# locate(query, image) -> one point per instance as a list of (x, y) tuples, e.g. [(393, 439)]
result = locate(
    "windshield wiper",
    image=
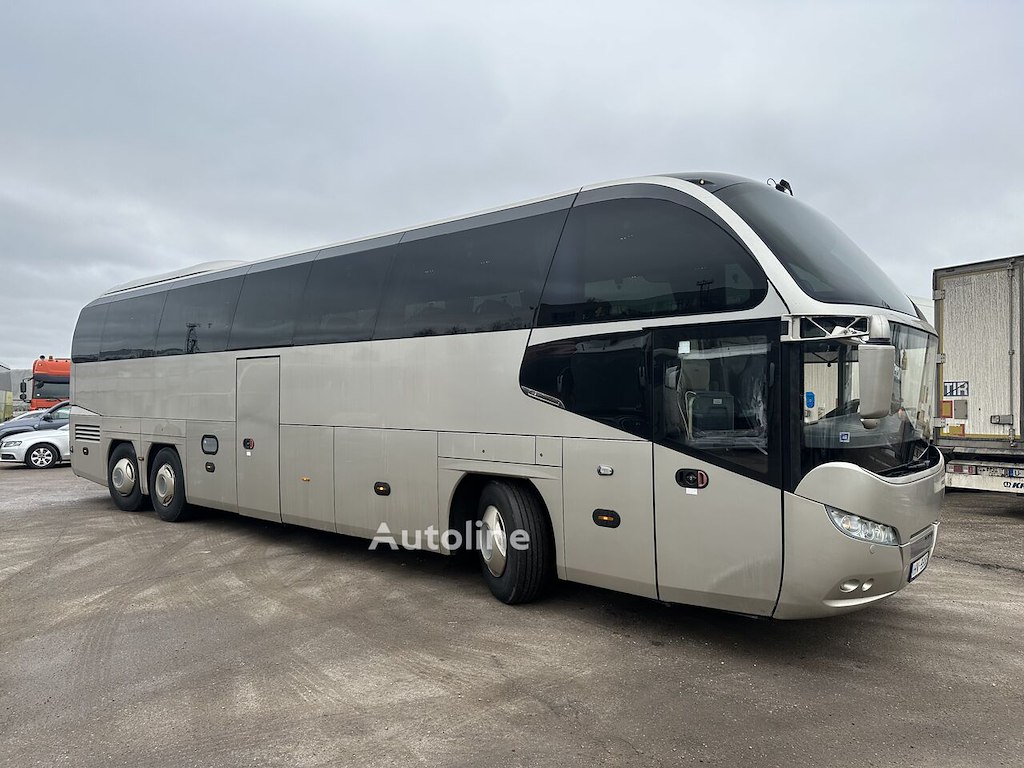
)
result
[(921, 462)]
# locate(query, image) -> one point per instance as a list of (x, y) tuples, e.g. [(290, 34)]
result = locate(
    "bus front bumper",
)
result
[(827, 572)]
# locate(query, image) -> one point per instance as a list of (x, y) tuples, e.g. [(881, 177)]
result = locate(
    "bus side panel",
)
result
[(406, 460), (192, 387), (89, 452), (465, 383), (621, 557), (307, 476), (210, 478)]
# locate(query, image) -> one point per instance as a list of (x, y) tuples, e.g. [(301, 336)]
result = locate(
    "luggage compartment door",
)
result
[(257, 436)]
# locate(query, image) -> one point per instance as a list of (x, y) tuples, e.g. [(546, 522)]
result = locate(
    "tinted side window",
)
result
[(131, 326), (197, 318), (342, 296), (601, 377), (85, 346), (715, 395), (640, 257), (487, 278), (268, 307)]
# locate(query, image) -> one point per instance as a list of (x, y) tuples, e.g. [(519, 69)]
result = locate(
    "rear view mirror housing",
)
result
[(875, 364)]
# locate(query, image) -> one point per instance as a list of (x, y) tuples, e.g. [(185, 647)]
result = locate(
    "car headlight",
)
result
[(861, 528), (10, 444)]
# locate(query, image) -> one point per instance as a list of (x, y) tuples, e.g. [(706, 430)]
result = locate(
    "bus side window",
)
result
[(717, 398), (197, 317), (342, 295), (471, 276), (640, 255), (599, 377), (85, 347), (268, 306), (131, 326)]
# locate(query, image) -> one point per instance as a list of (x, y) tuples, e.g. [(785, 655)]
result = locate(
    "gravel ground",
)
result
[(232, 642)]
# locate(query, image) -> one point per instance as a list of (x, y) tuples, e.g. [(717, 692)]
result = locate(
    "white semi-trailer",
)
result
[(980, 321)]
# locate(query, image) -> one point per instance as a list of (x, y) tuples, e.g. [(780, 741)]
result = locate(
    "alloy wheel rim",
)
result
[(41, 457)]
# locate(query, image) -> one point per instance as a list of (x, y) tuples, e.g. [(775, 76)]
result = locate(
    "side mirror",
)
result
[(24, 389), (875, 364), (48, 417), (22, 395)]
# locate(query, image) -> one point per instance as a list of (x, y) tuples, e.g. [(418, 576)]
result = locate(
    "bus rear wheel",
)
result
[(514, 545), (123, 479), (167, 486)]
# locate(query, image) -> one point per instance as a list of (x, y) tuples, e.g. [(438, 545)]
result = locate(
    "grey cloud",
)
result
[(142, 138)]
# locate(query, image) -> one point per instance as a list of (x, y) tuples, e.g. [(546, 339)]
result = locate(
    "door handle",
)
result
[(692, 478)]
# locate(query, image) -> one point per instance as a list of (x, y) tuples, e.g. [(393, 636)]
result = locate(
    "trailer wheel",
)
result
[(515, 572), (167, 486), (123, 479)]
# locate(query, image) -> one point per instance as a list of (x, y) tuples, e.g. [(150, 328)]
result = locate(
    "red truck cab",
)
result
[(51, 382)]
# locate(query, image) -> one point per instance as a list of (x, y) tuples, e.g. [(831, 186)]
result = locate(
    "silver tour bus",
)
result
[(689, 387)]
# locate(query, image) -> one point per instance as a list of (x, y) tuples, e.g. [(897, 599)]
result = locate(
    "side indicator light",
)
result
[(382, 489), (607, 518)]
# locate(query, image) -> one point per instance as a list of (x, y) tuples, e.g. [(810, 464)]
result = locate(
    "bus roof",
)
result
[(710, 181)]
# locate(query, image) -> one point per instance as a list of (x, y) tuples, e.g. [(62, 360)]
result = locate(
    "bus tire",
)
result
[(123, 479), (514, 575), (167, 486)]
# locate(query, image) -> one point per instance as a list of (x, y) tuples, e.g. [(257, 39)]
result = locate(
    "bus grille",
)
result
[(87, 433)]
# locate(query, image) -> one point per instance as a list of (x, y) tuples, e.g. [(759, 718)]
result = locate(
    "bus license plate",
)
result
[(917, 567)]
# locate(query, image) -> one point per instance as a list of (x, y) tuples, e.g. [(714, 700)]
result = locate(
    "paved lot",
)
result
[(230, 642)]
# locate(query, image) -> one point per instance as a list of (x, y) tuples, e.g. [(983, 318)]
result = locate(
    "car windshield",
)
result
[(831, 428), (823, 260)]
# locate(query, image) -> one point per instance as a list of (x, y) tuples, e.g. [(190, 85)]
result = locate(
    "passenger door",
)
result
[(717, 433), (257, 436)]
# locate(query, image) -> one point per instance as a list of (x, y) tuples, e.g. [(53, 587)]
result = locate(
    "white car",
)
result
[(38, 450)]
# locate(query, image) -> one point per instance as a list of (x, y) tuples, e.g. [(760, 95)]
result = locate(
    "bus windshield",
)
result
[(832, 429), (824, 261)]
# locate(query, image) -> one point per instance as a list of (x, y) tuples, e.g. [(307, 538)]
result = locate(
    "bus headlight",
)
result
[(861, 528)]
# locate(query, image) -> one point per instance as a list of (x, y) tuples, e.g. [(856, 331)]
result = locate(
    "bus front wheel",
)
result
[(123, 479), (514, 543), (167, 486)]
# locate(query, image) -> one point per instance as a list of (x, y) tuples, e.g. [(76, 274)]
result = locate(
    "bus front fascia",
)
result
[(827, 571)]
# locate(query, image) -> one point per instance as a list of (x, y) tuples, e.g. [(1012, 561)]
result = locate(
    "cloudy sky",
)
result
[(140, 137)]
